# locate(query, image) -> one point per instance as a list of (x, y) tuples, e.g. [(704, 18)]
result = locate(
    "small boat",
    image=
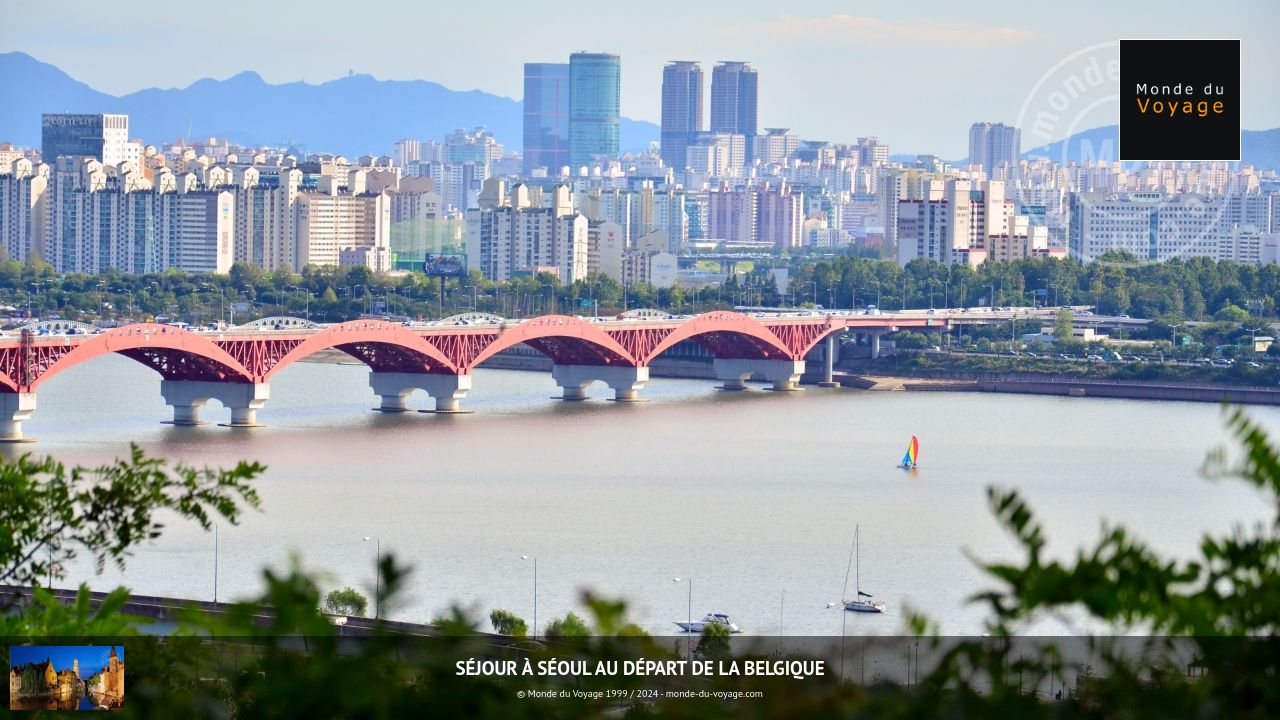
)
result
[(913, 452), (861, 601), (708, 619)]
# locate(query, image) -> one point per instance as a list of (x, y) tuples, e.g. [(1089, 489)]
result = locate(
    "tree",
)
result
[(347, 601), (1063, 325), (49, 514), (714, 641), (506, 622), (571, 626), (1232, 313)]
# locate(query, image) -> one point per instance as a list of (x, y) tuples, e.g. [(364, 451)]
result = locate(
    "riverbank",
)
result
[(895, 376)]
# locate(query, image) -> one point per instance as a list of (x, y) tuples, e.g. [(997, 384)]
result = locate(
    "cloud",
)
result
[(871, 30)]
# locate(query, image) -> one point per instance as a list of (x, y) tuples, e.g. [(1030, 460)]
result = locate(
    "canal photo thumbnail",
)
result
[(66, 677)]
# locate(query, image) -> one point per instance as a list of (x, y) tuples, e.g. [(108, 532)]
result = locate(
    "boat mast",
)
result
[(857, 578)]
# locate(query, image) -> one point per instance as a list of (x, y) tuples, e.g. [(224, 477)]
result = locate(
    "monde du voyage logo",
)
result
[(1180, 99)]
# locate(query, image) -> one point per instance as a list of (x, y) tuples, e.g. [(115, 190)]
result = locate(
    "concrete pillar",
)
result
[(875, 345), (829, 362), (625, 380), (15, 408), (784, 374), (187, 396), (395, 387)]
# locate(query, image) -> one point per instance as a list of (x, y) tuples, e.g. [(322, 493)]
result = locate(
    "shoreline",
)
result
[(1021, 384)]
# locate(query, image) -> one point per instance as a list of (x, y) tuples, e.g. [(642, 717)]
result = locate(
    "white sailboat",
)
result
[(861, 601)]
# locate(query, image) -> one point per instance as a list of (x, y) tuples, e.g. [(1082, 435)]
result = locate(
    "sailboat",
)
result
[(913, 452), (858, 603)]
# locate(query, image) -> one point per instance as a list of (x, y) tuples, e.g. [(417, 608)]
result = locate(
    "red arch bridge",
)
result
[(235, 365)]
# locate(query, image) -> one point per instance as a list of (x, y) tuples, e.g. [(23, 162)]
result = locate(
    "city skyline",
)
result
[(815, 61)]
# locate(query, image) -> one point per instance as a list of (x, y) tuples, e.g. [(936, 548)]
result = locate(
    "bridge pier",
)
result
[(394, 388), (626, 381), (875, 345), (829, 362), (14, 409), (188, 396), (734, 372)]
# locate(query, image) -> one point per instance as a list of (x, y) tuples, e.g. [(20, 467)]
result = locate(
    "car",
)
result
[(1253, 364), (1031, 354)]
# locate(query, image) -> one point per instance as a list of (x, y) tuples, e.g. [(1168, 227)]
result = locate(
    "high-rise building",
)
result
[(734, 87), (595, 82), (329, 223), (546, 117), (993, 145), (22, 208), (508, 233), (681, 110), (104, 138)]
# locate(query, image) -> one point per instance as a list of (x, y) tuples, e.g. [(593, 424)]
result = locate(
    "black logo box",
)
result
[(1186, 65)]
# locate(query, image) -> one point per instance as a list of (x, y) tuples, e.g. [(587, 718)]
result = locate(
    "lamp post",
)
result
[(377, 588), (215, 562), (535, 592), (815, 293)]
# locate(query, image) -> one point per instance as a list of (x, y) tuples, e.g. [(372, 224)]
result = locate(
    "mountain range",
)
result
[(344, 115), (1259, 148), (353, 115)]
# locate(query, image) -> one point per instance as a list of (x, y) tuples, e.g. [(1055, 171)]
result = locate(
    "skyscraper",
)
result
[(734, 88), (681, 110), (546, 116), (595, 81), (991, 145)]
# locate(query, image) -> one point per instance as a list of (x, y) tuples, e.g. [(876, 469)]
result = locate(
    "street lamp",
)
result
[(377, 588), (535, 592), (215, 562), (815, 293)]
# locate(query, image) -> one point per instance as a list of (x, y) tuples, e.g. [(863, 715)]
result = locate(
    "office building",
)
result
[(734, 102), (681, 110), (546, 117), (595, 81), (102, 137)]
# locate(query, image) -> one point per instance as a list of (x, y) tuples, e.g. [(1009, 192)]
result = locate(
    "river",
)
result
[(753, 495)]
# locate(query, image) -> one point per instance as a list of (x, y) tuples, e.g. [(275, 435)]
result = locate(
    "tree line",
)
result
[(1116, 284)]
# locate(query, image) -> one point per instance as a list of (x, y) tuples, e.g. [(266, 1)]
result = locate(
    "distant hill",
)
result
[(1259, 148), (353, 115)]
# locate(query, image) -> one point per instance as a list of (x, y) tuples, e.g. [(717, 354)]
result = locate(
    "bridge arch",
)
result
[(175, 353), (728, 335), (382, 345), (566, 340)]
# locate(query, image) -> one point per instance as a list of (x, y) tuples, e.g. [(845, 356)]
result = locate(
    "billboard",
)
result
[(445, 265)]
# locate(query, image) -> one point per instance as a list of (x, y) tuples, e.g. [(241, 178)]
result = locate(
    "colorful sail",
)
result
[(913, 452)]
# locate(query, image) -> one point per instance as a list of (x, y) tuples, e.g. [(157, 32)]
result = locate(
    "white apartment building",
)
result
[(1155, 226), (328, 222), (22, 208), (507, 234)]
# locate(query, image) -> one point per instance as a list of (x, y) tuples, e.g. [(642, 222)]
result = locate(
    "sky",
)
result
[(92, 659), (916, 74)]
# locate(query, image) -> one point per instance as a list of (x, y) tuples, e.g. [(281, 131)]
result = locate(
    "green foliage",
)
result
[(714, 641), (506, 622), (347, 601), (570, 626), (1063, 326), (1232, 314), (49, 515)]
